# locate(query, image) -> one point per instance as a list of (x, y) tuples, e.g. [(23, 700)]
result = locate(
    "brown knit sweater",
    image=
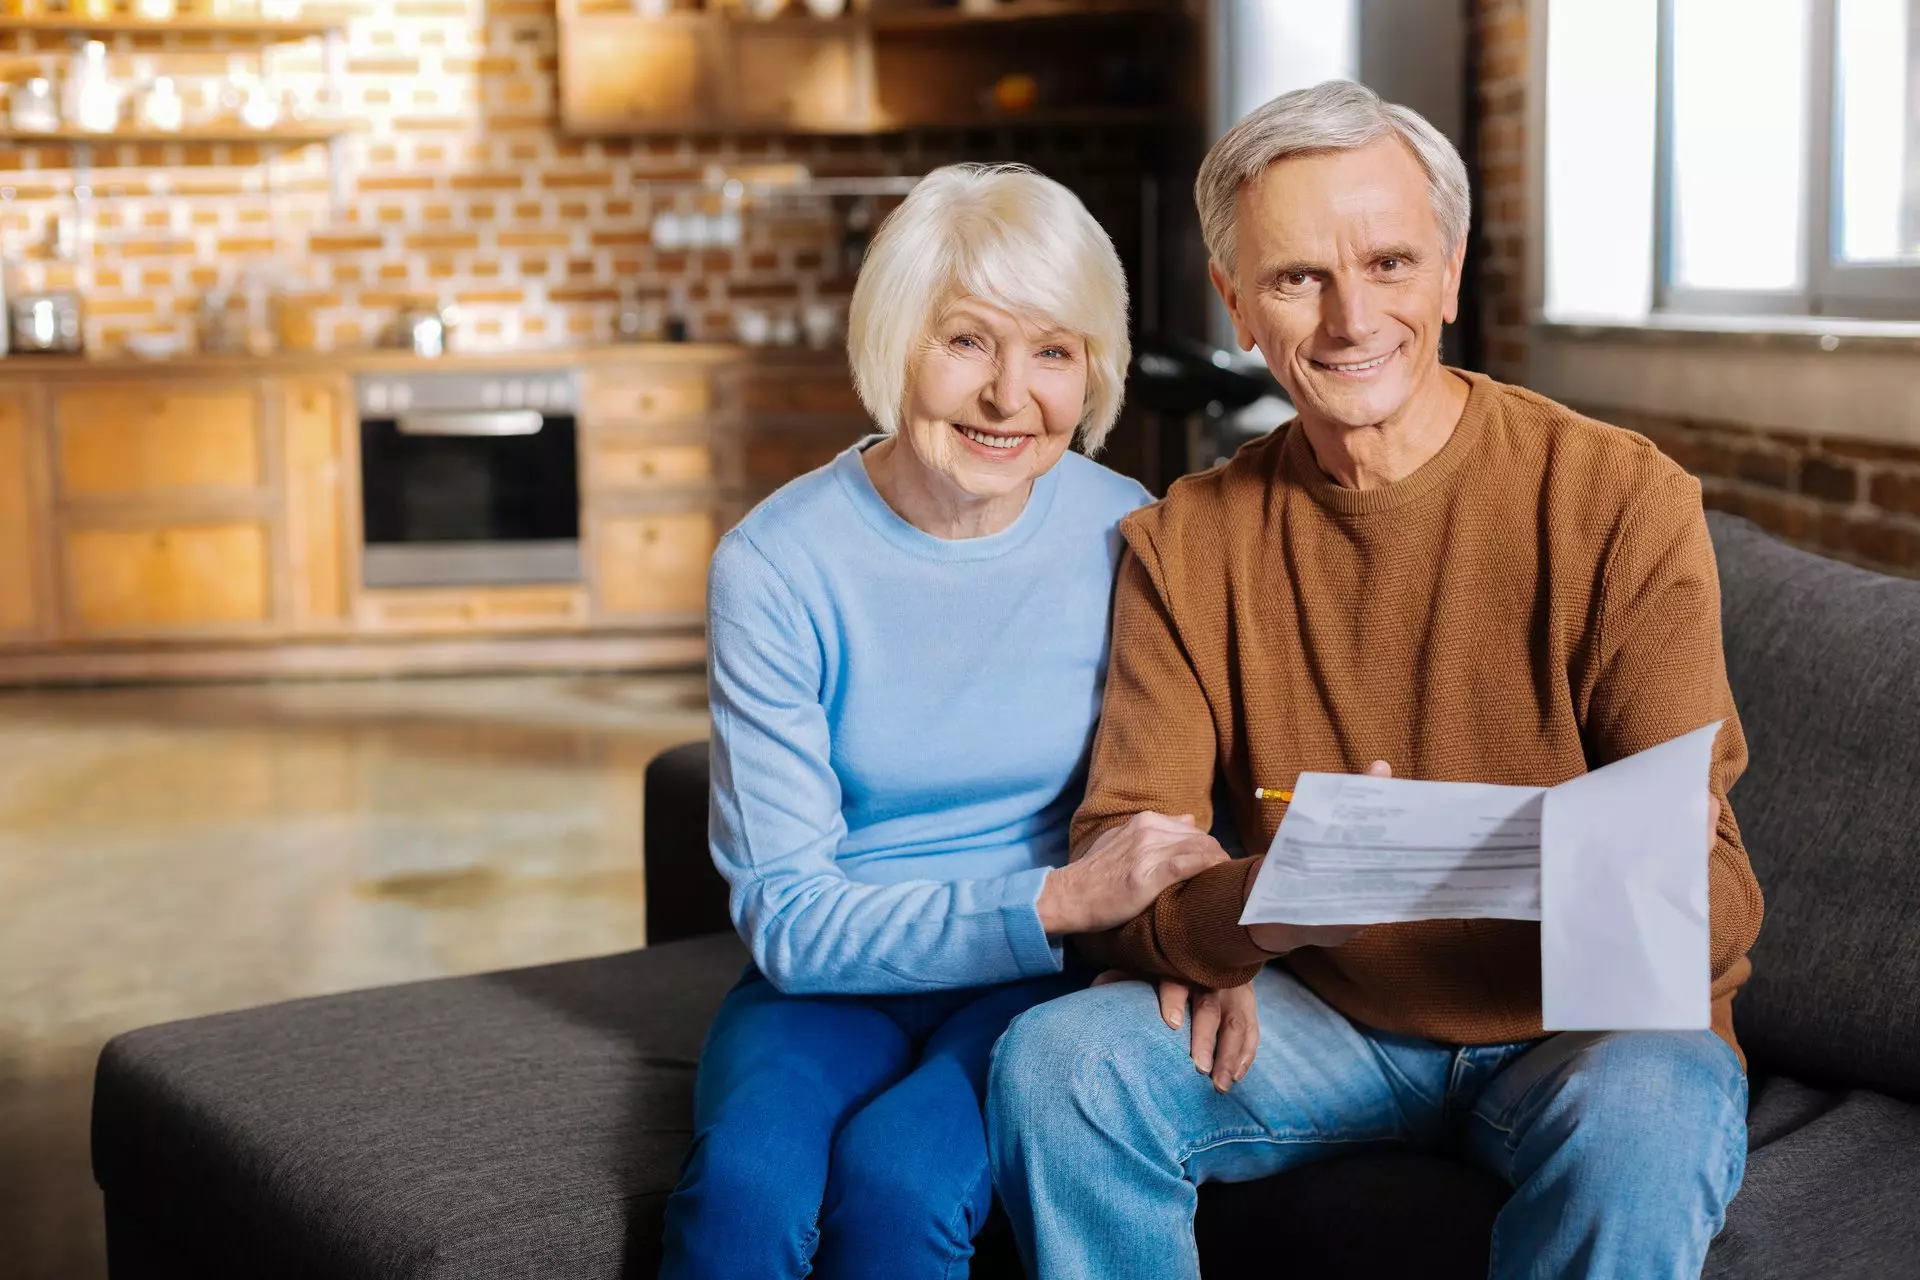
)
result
[(1538, 599)]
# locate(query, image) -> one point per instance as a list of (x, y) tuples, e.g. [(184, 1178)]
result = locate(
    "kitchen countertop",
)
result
[(29, 368)]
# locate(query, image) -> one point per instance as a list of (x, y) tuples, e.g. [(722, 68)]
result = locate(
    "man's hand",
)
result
[(1226, 1025), (1282, 938), (1123, 872)]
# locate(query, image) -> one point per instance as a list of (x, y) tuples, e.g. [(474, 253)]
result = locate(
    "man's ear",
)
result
[(1456, 267), (1223, 285)]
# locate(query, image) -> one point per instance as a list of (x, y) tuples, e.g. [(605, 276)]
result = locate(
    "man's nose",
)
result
[(1349, 312)]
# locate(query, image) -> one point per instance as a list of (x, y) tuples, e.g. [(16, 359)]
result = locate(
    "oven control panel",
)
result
[(388, 395)]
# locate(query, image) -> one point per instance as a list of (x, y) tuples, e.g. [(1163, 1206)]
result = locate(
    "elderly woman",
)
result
[(908, 652)]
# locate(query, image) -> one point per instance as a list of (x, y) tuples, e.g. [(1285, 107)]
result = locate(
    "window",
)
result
[(1787, 146), (1784, 161)]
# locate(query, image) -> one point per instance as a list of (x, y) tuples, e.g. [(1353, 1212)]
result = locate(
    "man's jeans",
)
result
[(1623, 1148)]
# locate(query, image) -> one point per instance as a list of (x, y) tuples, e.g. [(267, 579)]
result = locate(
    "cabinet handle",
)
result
[(650, 535), (647, 467), (646, 402)]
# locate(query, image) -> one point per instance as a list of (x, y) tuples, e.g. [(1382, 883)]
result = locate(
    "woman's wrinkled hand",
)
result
[(1226, 1025), (1123, 872)]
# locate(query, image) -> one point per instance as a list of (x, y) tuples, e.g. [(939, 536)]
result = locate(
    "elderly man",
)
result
[(1426, 571)]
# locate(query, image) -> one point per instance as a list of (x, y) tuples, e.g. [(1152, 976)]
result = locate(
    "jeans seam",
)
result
[(1217, 1141), (953, 1229)]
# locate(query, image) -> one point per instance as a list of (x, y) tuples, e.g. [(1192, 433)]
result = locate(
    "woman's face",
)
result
[(993, 398)]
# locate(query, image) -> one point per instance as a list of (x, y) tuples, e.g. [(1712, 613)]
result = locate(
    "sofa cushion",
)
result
[(1824, 660), (1829, 1188), (515, 1124)]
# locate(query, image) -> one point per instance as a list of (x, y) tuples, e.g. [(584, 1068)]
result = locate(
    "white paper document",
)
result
[(1613, 864)]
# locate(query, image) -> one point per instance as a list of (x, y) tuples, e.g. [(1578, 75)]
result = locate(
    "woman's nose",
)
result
[(1009, 391)]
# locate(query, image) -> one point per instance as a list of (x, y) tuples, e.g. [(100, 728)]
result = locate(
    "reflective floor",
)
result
[(172, 852)]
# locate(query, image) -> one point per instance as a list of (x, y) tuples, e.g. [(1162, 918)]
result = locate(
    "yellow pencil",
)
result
[(1268, 793)]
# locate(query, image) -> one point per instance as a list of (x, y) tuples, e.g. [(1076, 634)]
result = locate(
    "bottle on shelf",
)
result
[(93, 103)]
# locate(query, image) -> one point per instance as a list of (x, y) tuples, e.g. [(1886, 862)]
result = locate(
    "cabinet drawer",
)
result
[(653, 564), (124, 441), (616, 398), (129, 580), (636, 464), (482, 609)]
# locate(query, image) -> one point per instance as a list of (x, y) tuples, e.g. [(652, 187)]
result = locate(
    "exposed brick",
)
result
[(1896, 492), (1832, 481), (566, 293), (489, 297), (1871, 450), (1771, 468), (334, 242), (442, 240), (487, 181)]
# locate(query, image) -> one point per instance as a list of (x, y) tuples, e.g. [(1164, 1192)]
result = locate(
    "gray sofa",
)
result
[(530, 1123)]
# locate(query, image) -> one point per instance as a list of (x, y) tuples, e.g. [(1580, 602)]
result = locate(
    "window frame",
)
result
[(1867, 291)]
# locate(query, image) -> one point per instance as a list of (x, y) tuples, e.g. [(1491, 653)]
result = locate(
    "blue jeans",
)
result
[(841, 1134), (1623, 1148)]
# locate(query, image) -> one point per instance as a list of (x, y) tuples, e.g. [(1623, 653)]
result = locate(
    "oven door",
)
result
[(489, 497)]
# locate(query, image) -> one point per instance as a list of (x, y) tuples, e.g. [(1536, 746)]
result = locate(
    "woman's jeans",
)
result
[(1623, 1148), (841, 1133)]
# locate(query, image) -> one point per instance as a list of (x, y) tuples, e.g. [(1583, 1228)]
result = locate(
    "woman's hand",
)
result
[(1123, 872), (1226, 1025)]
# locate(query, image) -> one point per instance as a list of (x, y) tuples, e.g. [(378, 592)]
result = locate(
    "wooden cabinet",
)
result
[(317, 492), (621, 72), (122, 440), (653, 564), (131, 581), (474, 609), (20, 542)]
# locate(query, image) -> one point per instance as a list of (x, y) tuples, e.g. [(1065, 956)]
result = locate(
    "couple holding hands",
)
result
[(975, 696)]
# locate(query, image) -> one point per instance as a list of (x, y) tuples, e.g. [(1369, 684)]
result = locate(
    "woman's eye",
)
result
[(966, 340), (1056, 353)]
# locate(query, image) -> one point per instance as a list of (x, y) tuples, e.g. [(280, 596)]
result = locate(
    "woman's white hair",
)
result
[(1006, 235), (1337, 115)]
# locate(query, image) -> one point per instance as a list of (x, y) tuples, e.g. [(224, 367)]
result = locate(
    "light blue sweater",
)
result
[(901, 725)]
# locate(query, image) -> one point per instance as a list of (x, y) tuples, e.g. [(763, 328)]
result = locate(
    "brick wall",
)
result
[(458, 186), (1852, 500)]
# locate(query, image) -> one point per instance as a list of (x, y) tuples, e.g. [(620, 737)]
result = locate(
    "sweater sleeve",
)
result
[(1156, 751), (775, 826), (1661, 672)]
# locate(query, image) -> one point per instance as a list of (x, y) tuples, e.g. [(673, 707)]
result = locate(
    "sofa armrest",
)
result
[(685, 895)]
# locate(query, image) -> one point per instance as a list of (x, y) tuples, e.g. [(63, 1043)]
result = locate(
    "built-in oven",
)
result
[(469, 478)]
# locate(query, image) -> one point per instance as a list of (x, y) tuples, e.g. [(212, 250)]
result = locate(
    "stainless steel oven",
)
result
[(469, 479)]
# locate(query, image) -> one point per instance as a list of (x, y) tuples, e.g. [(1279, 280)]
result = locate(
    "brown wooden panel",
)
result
[(776, 454), (638, 464), (770, 391), (476, 609), (19, 522), (316, 513), (797, 77), (655, 563), (624, 71), (628, 397), (130, 580), (128, 439)]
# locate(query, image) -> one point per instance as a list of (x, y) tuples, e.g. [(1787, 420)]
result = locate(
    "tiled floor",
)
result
[(172, 852)]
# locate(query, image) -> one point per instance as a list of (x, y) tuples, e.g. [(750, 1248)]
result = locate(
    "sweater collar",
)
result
[(851, 469), (1299, 465)]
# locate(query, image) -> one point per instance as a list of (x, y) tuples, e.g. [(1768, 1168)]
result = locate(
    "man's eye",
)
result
[(1297, 278), (1389, 264)]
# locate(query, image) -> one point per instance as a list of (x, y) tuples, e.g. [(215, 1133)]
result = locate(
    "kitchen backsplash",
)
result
[(456, 185)]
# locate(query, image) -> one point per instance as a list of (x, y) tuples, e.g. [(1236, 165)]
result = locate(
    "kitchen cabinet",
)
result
[(202, 519), (319, 461), (148, 439), (653, 564), (20, 546), (476, 608), (620, 72), (146, 581)]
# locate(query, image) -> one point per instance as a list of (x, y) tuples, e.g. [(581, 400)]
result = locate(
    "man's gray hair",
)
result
[(1337, 115)]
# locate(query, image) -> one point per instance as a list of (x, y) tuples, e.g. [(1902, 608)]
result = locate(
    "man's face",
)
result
[(1341, 279)]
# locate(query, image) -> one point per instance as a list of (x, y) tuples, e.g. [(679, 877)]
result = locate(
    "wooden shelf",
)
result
[(210, 133), (1018, 11), (290, 29)]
